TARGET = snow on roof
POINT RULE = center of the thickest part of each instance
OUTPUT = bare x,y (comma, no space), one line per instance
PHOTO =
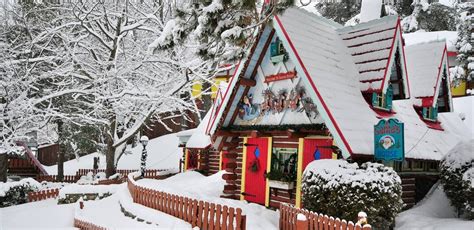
423,62
370,10
370,44
422,37
185,133
200,139
331,68
422,142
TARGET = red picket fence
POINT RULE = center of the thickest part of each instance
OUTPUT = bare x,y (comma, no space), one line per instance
43,195
54,178
150,173
204,215
83,225
314,221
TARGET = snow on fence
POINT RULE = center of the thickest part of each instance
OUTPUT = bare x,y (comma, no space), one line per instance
43,195
300,219
150,173
83,225
54,178
202,214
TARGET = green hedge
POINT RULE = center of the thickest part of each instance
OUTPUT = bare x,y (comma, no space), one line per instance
340,189
456,175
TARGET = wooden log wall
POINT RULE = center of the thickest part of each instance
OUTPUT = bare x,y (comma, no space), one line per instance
233,168
213,161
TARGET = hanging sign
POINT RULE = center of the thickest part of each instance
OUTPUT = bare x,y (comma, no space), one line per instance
389,140
280,76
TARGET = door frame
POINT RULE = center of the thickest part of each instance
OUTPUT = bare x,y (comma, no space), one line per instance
299,175
244,169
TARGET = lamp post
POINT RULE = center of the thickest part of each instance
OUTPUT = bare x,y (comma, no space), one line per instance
144,141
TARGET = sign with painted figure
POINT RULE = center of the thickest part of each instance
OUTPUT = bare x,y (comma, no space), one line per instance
389,140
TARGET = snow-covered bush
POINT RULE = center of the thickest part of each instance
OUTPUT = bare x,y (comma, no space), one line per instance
342,189
457,175
74,192
13,193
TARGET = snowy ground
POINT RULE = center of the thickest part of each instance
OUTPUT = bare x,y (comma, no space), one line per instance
432,213
194,185
45,214
163,153
465,105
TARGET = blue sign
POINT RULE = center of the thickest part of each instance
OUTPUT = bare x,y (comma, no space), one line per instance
389,140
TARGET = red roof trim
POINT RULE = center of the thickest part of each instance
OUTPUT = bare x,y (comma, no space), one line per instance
371,80
313,85
374,32
439,72
365,43
390,54
452,54
370,51
405,61
225,95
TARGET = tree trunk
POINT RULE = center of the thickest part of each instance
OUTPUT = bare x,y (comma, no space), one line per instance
61,151
3,167
110,158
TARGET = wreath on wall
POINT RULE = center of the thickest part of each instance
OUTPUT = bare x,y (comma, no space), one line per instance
255,164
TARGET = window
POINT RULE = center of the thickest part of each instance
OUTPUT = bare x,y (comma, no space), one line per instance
396,78
443,95
430,113
283,164
277,52
383,101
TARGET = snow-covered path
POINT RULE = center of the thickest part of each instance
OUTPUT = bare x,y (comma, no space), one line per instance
194,185
45,214
432,213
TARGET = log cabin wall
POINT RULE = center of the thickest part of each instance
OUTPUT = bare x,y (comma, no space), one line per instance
214,159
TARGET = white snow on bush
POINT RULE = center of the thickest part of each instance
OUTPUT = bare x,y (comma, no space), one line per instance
87,189
5,187
342,172
460,155
469,177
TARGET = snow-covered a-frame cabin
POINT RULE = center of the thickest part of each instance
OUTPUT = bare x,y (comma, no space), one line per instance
312,89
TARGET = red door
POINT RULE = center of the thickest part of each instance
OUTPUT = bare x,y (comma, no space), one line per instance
256,165
316,149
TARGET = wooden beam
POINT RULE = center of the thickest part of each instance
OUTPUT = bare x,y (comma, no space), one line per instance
227,133
247,82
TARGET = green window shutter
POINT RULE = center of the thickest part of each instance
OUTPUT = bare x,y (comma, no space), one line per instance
274,48
375,101
425,112
388,98
434,114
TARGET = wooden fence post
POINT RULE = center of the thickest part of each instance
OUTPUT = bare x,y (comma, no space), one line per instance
301,222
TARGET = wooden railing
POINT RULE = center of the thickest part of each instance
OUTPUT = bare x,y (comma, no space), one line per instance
150,173
202,214
313,221
43,195
54,178
83,225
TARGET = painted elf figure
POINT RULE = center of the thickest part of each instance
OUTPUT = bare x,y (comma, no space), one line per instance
362,218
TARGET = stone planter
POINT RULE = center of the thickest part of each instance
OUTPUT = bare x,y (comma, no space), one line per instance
281,184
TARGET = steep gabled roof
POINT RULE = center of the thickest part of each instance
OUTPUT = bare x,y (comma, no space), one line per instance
425,65
372,46
326,65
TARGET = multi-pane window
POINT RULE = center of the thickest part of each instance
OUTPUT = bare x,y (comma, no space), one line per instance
383,101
